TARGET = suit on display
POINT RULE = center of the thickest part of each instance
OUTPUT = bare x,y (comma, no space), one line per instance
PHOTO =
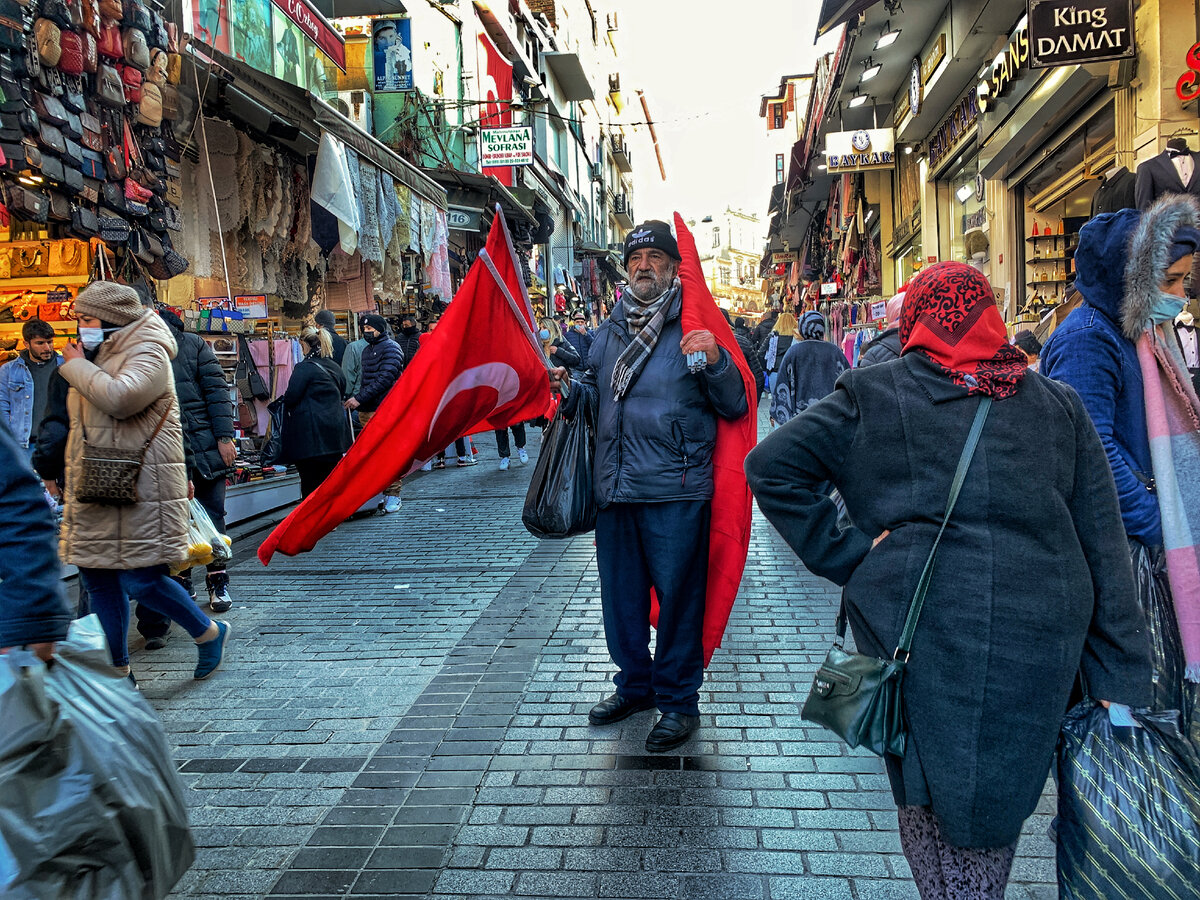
1116,191
1174,171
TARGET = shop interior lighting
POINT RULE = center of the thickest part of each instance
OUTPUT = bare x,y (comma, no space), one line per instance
822,167
908,150
887,36
857,100
964,193
870,69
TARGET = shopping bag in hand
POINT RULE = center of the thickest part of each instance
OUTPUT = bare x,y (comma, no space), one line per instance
561,500
1128,808
90,803
272,449
222,546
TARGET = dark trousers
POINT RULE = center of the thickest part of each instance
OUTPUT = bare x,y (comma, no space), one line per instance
210,492
664,546
502,447
314,470
460,447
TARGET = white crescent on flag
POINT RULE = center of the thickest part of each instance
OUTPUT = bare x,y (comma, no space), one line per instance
499,376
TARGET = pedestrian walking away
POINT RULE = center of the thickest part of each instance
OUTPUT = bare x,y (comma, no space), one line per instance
656,423
324,319
316,432
809,370
123,396
742,337
998,644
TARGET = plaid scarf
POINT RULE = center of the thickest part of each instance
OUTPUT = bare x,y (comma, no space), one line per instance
646,320
1173,424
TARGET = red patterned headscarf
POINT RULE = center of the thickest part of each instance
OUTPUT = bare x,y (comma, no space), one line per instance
950,316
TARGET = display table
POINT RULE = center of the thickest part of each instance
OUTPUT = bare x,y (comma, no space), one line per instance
254,498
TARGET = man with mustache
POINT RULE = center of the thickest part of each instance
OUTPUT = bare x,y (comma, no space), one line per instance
656,425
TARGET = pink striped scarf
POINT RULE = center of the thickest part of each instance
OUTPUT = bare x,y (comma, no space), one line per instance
1173,423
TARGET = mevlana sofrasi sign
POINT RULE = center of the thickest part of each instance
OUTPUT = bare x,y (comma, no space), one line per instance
1067,32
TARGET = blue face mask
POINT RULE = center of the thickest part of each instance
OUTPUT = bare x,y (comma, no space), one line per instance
544,334
1166,307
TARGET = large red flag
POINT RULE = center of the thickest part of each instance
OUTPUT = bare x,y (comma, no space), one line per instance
729,532
483,365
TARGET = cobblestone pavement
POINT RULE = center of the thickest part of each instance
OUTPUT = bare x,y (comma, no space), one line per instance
403,712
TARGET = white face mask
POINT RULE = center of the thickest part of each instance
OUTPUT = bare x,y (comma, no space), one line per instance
91,338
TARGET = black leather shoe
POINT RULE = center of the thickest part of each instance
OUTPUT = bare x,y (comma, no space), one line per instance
615,708
672,730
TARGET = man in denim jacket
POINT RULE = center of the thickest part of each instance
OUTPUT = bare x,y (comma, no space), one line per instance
24,384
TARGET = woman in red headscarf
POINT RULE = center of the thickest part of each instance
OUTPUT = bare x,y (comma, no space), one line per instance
1031,584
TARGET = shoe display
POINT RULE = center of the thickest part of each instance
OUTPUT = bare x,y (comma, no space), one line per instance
218,592
392,504
672,730
211,652
503,463
616,708
156,643
467,461
523,456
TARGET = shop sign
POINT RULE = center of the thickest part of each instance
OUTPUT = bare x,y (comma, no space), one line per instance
828,288
391,52
253,306
1067,33
782,259
506,147
214,303
1187,88
954,130
933,59
879,309
903,108
975,220
1006,67
866,148
461,218
316,28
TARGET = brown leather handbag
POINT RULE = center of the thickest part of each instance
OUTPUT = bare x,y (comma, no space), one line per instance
108,475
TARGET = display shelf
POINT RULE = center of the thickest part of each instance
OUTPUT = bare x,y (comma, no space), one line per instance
1041,259
12,285
1047,237
1049,281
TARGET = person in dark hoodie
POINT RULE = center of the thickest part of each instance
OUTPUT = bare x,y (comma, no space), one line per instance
808,372
325,319
382,364
887,345
1128,264
409,338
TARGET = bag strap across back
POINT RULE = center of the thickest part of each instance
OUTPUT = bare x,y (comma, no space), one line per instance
153,434
904,647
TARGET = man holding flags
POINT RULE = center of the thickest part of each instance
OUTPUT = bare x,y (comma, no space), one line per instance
663,386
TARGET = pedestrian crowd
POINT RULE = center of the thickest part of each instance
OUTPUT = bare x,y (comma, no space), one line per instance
995,511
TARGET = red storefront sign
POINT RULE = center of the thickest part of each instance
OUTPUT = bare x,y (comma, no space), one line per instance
1188,86
317,28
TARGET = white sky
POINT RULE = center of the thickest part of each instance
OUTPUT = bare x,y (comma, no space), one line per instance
704,66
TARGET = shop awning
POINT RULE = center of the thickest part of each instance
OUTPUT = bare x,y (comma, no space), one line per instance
570,74
836,12
349,9
276,107
485,185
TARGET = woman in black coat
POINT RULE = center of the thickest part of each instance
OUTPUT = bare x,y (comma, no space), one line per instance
317,430
1032,582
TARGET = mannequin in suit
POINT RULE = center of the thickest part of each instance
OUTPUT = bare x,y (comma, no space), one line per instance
1174,171
1116,191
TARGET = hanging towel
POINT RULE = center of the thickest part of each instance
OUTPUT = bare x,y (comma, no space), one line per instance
332,190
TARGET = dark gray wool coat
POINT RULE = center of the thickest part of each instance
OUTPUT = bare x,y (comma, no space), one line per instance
1032,582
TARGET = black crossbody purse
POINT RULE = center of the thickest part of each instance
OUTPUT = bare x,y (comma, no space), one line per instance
859,697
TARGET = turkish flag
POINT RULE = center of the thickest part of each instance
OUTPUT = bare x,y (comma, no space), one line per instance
496,91
483,365
729,531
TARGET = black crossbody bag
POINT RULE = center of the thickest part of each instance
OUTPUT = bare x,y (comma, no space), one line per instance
859,697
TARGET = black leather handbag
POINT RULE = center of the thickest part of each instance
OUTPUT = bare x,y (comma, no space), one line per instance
859,697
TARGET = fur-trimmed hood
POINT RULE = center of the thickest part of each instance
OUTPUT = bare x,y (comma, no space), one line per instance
1148,254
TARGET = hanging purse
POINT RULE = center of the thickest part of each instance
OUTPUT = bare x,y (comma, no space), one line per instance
52,139
113,196
90,51
109,43
68,257
60,208
136,51
91,137
93,165
70,61
156,71
150,105
132,79
108,475
859,697
247,376
50,110
109,88
31,262
48,37
111,11
90,16
84,223
170,102
113,229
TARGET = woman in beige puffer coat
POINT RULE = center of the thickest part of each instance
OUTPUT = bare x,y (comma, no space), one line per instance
123,395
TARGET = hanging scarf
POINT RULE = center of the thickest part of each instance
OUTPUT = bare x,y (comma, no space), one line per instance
950,316
646,320
1173,426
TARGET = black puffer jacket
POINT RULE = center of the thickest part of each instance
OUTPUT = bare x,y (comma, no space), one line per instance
204,402
886,346
382,363
656,444
317,424
410,344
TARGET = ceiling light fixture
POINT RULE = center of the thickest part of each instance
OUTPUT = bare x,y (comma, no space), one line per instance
870,69
822,167
857,100
908,150
887,36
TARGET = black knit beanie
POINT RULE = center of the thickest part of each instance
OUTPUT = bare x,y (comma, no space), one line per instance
652,233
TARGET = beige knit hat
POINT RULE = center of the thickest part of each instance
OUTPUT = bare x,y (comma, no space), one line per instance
110,302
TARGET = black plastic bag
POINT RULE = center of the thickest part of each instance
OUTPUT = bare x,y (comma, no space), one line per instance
561,500
90,803
272,448
1128,808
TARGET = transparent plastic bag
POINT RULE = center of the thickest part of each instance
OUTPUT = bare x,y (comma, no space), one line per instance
221,547
91,805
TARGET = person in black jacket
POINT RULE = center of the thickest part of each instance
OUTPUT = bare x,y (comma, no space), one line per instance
382,364
409,339
744,343
887,345
317,430
325,319
33,612
656,427
808,371
579,336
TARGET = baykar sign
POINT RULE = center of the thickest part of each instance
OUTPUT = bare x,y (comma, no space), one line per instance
1063,33
854,151
506,147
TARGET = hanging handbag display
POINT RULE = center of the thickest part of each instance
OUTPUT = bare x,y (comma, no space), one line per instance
60,207
249,381
90,17
110,90
93,165
109,43
50,110
111,11
156,71
108,475
859,698
136,50
31,261
136,16
113,229
91,138
57,11
47,36
68,257
90,51
84,223
131,78
150,105
170,102
70,61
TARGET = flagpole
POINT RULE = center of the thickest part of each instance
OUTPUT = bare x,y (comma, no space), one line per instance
512,302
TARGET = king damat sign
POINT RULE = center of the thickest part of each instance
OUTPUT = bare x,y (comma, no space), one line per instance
1065,33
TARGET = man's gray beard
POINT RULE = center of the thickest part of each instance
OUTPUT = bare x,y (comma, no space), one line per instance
655,290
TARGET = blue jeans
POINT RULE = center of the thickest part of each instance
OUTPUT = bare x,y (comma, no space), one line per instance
109,591
664,546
